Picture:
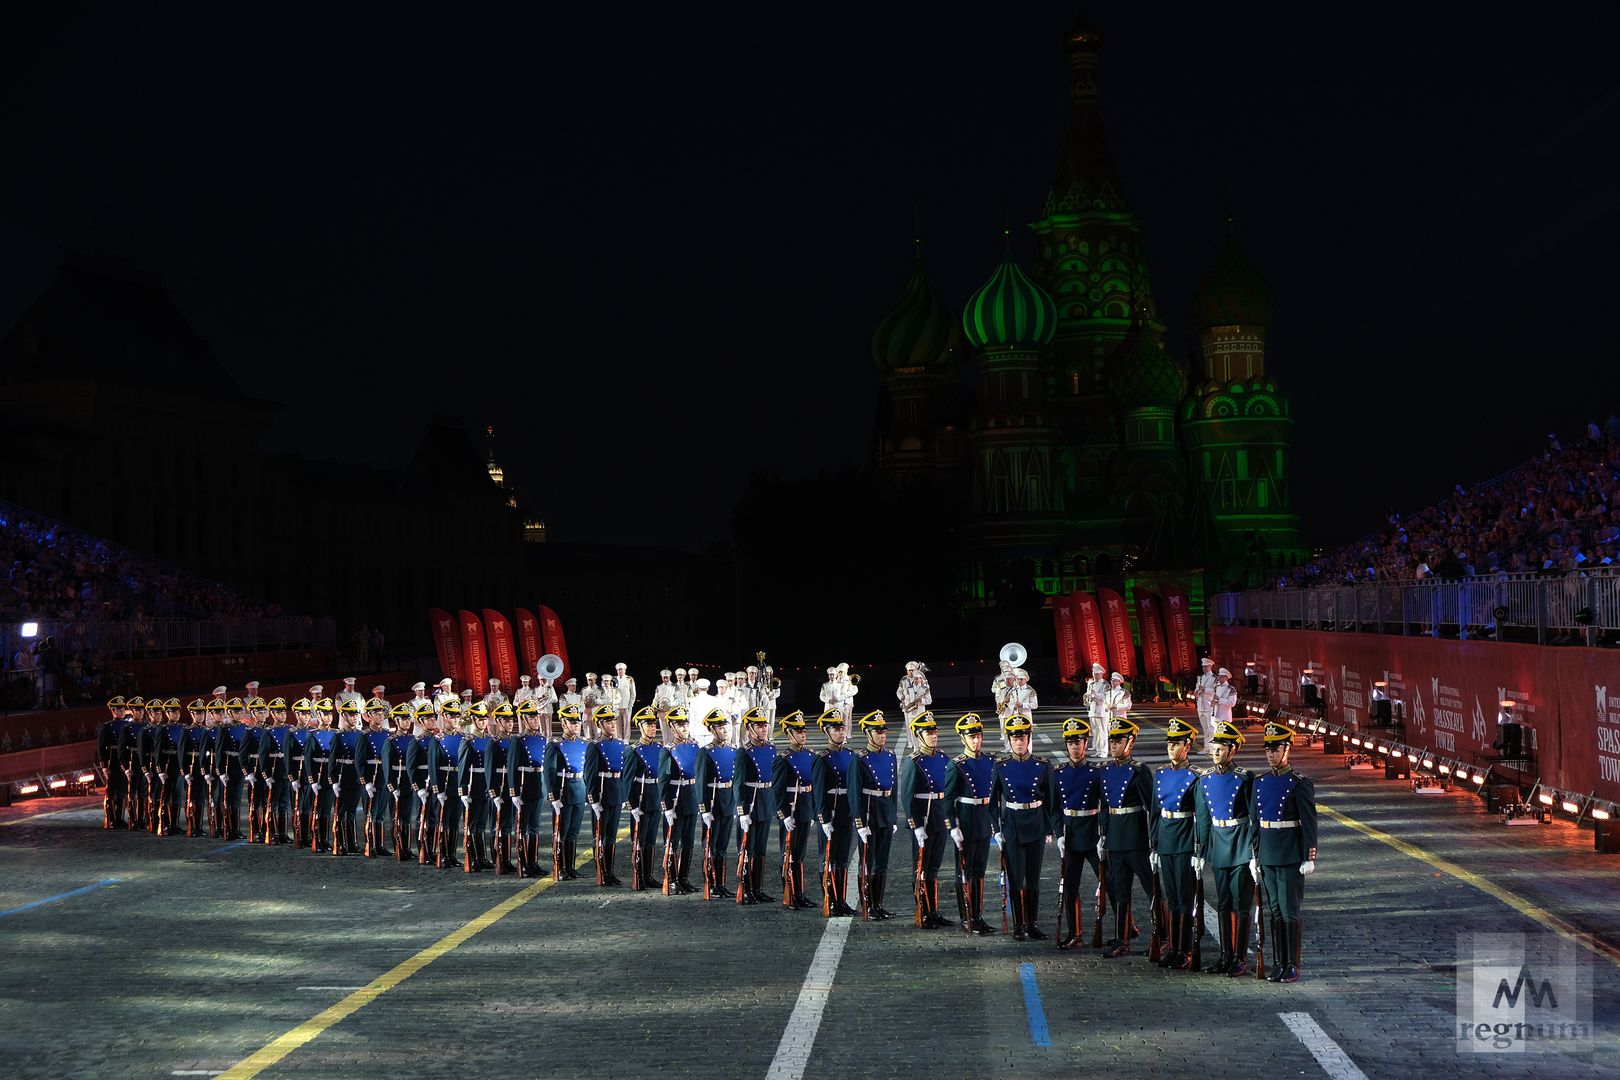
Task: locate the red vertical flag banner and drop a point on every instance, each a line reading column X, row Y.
column 472, row 642
column 446, row 642
column 528, row 635
column 1088, row 621
column 503, row 659
column 1155, row 658
column 1179, row 631
column 551, row 633
column 1068, row 638
column 1117, row 627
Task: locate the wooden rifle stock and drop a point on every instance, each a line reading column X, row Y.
column 1260, row 927
column 961, row 891
column 1156, row 942
column 1197, row 949
column 1102, row 903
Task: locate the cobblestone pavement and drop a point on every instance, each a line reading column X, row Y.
column 186, row 957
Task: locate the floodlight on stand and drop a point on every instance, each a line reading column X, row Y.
column 30, row 787
column 57, row 783
column 1428, row 761
column 1600, row 813
column 1445, row 770
column 1479, row 776
column 1569, row 806
column 28, row 630
column 1546, row 798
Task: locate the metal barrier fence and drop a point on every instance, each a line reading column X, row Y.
column 1576, row 607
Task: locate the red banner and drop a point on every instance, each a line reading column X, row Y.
column 1567, row 699
column 503, row 659
column 551, row 633
column 1155, row 658
column 472, row 642
column 1088, row 619
column 1179, row 631
column 529, row 650
column 1068, row 643
column 447, row 643
column 1117, row 625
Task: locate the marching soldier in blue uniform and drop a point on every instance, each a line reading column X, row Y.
column 1225, row 838
column 872, row 776
column 229, row 747
column 144, row 758
column 834, row 813
column 472, row 787
column 346, row 769
column 255, row 789
column 1172, row 842
column 193, row 769
column 403, row 751
column 1283, row 805
column 677, row 795
column 322, row 777
column 756, row 806
column 501, row 777
column 217, row 723
column 129, row 758
column 169, row 750
column 1076, row 805
column 274, row 758
column 526, row 785
column 967, row 809
column 641, row 795
column 376, row 750
column 1020, row 789
column 565, row 782
column 1125, row 843
column 108, row 738
column 448, row 792
column 793, row 788
column 924, row 781
column 427, row 779
column 298, row 740
column 604, row 783
column 717, row 800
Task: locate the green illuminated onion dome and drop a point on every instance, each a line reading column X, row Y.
column 919, row 333
column 1233, row 292
column 1147, row 377
column 1010, row 310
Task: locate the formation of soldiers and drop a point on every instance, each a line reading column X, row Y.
column 433, row 776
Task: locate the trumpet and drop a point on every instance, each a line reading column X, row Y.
column 855, row 678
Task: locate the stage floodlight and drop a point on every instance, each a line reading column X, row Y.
column 29, row 630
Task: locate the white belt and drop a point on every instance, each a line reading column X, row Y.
column 1227, row 822
column 682, row 783
column 802, row 788
column 275, row 755
column 1125, row 809
column 1175, row 815
column 475, row 770
column 566, row 775
column 649, row 780
column 1080, row 813
column 757, row 783
column 927, row 795
column 1264, row 824
column 881, row 793
column 1036, row 805
column 973, row 800
column 529, row 768
column 609, row 775
column 838, row 791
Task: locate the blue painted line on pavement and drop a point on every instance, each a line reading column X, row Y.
column 1032, row 1005
column 227, row 847
column 61, row 896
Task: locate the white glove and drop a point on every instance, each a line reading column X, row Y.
column 337, row 789
column 596, row 808
column 1308, row 867
column 556, row 807
column 371, row 791
column 313, row 786
column 1102, row 849
column 1153, row 861
column 466, row 801
column 864, row 833
column 997, row 837
column 441, row 798
column 788, row 823
column 1254, row 868
column 708, row 820
column 826, row 830
column 1198, row 865
column 517, row 803
column 422, row 793
column 921, row 834
column 956, row 835
column 669, row 817
column 635, row 815
column 392, row 790
column 248, row 779
column 743, row 823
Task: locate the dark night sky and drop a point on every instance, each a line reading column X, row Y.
column 651, row 248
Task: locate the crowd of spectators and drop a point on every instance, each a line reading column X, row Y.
column 1557, row 513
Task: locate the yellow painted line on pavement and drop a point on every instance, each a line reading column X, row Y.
column 310, row 1029
column 1524, row 907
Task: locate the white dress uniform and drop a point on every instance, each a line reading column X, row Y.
column 348, row 693
column 523, row 693
column 1097, row 713
column 831, row 698
column 627, row 703
column 915, row 696
column 1226, row 697
column 696, row 709
column 495, row 696
column 1204, row 697
column 1118, row 702
column 847, row 689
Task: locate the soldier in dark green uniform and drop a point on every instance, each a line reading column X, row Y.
column 147, row 764
column 756, row 806
column 872, row 777
column 677, row 795
column 193, row 769
column 502, row 814
column 604, row 785
column 1020, row 790
column 426, row 778
column 833, row 814
column 1076, row 805
column 1283, row 805
column 298, row 743
column 1225, row 836
column 402, row 754
column 967, row 808
column 375, row 752
column 472, row 774
column 641, row 796
column 565, row 783
column 793, row 787
column 323, row 777
column 348, row 759
column 275, row 755
column 1125, row 844
column 525, row 765
column 107, row 739
column 170, row 746
column 229, row 747
column 254, row 787
column 448, row 793
column 717, row 801
column 218, row 722
column 924, row 780
column 1171, row 829
column 129, row 758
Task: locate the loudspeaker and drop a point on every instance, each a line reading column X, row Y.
column 1606, row 836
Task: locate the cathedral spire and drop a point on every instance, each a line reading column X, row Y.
column 1085, row 176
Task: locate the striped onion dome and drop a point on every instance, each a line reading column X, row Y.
column 919, row 332
column 1010, row 310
